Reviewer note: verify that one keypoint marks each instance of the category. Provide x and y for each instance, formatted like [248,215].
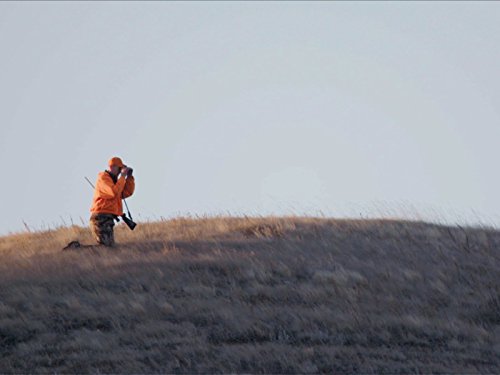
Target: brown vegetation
[253,295]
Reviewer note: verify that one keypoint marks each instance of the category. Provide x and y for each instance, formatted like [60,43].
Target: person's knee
[108,239]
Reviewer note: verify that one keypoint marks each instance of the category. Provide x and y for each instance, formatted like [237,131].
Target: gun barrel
[91,184]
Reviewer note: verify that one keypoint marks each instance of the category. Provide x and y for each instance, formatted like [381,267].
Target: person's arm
[129,188]
[107,189]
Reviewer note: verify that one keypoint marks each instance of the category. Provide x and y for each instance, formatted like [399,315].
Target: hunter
[111,187]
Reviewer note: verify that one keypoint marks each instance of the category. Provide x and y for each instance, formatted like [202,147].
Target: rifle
[127,220]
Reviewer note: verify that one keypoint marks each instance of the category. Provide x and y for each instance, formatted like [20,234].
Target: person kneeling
[112,185]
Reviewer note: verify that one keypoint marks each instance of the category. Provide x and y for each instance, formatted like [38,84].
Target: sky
[337,109]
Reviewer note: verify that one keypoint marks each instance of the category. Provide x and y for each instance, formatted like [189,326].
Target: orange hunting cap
[116,161]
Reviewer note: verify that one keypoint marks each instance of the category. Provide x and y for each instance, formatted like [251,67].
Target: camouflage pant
[101,226]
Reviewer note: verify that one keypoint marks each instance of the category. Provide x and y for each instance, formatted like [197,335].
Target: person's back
[111,187]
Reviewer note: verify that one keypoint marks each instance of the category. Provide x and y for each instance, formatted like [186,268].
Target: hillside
[253,295]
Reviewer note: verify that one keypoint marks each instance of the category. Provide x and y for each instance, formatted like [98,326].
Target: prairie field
[253,295]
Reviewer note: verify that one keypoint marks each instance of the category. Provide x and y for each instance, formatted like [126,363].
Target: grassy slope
[276,295]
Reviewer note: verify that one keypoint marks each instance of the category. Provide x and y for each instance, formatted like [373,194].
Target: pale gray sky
[347,108]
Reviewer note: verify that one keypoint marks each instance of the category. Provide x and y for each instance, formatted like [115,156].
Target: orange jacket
[108,194]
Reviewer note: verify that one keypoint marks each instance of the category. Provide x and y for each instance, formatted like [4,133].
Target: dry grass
[253,295]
